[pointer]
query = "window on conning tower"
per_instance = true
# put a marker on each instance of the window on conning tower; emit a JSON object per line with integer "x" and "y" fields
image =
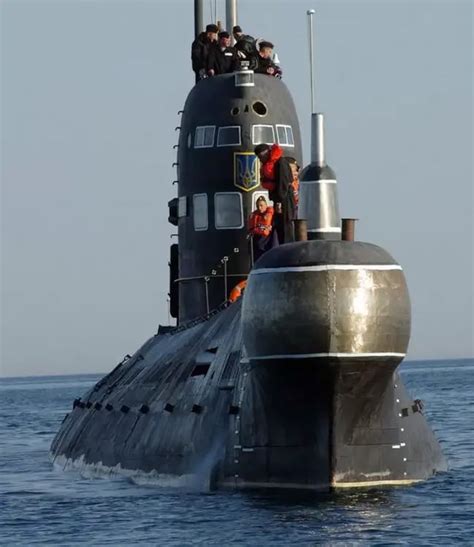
{"x": 204, "y": 136}
{"x": 228, "y": 211}
{"x": 200, "y": 212}
{"x": 285, "y": 135}
{"x": 229, "y": 136}
{"x": 263, "y": 134}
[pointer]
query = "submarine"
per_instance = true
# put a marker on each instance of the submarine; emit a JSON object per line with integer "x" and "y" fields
{"x": 295, "y": 384}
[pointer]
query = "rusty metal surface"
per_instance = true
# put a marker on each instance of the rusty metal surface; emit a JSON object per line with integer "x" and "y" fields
{"x": 301, "y": 229}
{"x": 348, "y": 229}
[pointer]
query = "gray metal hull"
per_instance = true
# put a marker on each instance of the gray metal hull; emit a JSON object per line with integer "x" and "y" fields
{"x": 188, "y": 405}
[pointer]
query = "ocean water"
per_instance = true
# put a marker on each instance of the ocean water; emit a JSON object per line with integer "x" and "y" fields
{"x": 40, "y": 505}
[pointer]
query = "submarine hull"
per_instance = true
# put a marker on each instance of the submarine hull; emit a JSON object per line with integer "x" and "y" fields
{"x": 207, "y": 405}
{"x": 244, "y": 424}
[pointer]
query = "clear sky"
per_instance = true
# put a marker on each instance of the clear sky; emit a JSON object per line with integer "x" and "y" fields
{"x": 90, "y": 92}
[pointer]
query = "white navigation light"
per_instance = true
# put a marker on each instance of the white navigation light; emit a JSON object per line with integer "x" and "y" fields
{"x": 244, "y": 78}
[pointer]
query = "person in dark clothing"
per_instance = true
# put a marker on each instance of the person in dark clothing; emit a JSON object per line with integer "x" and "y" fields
{"x": 222, "y": 57}
{"x": 200, "y": 50}
{"x": 244, "y": 44}
{"x": 284, "y": 195}
{"x": 281, "y": 194}
{"x": 264, "y": 63}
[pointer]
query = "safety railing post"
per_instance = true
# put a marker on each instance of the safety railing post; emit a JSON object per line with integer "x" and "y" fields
{"x": 251, "y": 252}
{"x": 224, "y": 261}
{"x": 206, "y": 285}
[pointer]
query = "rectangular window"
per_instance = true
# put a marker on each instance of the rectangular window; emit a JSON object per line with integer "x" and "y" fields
{"x": 200, "y": 212}
{"x": 229, "y": 136}
{"x": 204, "y": 136}
{"x": 228, "y": 211}
{"x": 263, "y": 134}
{"x": 285, "y": 135}
{"x": 182, "y": 207}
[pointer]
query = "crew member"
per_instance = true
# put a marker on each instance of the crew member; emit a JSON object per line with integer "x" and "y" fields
{"x": 268, "y": 157}
{"x": 222, "y": 57}
{"x": 244, "y": 44}
{"x": 277, "y": 177}
{"x": 295, "y": 183}
{"x": 274, "y": 55}
{"x": 265, "y": 64}
{"x": 261, "y": 228}
{"x": 200, "y": 50}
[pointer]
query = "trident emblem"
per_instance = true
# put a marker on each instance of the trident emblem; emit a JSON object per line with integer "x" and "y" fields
{"x": 246, "y": 172}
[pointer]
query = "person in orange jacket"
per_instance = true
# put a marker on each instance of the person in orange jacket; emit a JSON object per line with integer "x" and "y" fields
{"x": 261, "y": 228}
{"x": 260, "y": 222}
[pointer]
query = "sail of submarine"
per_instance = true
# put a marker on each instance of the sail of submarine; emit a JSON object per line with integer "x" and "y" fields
{"x": 295, "y": 385}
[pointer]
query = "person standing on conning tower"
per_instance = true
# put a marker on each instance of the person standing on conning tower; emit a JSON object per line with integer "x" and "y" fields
{"x": 200, "y": 50}
{"x": 277, "y": 177}
{"x": 244, "y": 44}
{"x": 222, "y": 57}
{"x": 265, "y": 64}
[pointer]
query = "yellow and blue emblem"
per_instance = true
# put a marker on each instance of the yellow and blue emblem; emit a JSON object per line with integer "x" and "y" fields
{"x": 246, "y": 171}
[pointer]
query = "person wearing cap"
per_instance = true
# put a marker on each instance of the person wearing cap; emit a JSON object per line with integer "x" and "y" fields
{"x": 200, "y": 50}
{"x": 222, "y": 57}
{"x": 244, "y": 44}
{"x": 265, "y": 64}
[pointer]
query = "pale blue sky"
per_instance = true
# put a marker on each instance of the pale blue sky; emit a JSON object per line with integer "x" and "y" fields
{"x": 90, "y": 92}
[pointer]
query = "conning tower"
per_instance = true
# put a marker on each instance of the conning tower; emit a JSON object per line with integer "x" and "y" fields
{"x": 223, "y": 119}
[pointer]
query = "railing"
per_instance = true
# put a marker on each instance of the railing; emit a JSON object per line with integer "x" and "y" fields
{"x": 220, "y": 270}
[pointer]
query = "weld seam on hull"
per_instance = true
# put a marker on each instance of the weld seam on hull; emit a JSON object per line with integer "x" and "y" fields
{"x": 328, "y": 267}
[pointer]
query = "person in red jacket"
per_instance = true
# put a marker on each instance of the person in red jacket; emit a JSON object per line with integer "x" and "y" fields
{"x": 268, "y": 157}
{"x": 277, "y": 177}
{"x": 261, "y": 228}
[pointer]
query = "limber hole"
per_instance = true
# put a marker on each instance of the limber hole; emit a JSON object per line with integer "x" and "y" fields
{"x": 200, "y": 370}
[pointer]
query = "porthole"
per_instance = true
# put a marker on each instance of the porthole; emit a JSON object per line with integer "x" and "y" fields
{"x": 260, "y": 108}
{"x": 235, "y": 111}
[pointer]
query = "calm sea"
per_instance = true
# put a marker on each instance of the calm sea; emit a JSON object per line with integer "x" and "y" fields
{"x": 42, "y": 506}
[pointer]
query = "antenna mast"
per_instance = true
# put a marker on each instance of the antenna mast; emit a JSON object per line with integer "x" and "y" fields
{"x": 198, "y": 17}
{"x": 230, "y": 15}
{"x": 317, "y": 119}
